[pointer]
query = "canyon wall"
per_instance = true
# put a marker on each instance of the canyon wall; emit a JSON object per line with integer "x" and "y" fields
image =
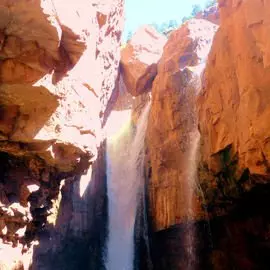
{"x": 58, "y": 65}
{"x": 172, "y": 128}
{"x": 172, "y": 75}
{"x": 228, "y": 218}
{"x": 233, "y": 106}
{"x": 227, "y": 209}
{"x": 233, "y": 115}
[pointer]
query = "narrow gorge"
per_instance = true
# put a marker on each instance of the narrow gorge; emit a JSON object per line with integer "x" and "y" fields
{"x": 146, "y": 152}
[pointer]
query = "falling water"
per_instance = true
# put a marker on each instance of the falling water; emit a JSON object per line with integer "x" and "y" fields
{"x": 125, "y": 161}
{"x": 192, "y": 183}
{"x": 193, "y": 188}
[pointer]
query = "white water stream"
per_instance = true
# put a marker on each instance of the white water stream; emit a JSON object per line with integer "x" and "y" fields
{"x": 125, "y": 181}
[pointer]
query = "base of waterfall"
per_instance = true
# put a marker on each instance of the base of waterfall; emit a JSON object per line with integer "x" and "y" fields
{"x": 125, "y": 182}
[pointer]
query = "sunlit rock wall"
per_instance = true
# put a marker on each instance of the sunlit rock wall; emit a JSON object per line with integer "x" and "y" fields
{"x": 58, "y": 64}
{"x": 233, "y": 106}
{"x": 172, "y": 125}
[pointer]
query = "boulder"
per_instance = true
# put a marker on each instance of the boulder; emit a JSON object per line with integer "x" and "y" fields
{"x": 139, "y": 59}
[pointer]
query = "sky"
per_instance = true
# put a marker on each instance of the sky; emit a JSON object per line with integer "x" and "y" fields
{"x": 140, "y": 12}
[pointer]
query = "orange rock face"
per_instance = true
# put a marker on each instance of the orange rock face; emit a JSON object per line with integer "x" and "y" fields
{"x": 58, "y": 64}
{"x": 57, "y": 71}
{"x": 234, "y": 105}
{"x": 139, "y": 59}
{"x": 172, "y": 136}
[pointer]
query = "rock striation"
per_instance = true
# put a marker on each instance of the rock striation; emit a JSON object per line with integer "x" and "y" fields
{"x": 233, "y": 105}
{"x": 233, "y": 168}
{"x": 172, "y": 123}
{"x": 208, "y": 193}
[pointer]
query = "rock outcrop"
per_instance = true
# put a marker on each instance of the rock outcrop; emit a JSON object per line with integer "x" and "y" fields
{"x": 233, "y": 106}
{"x": 233, "y": 172}
{"x": 48, "y": 90}
{"x": 172, "y": 132}
{"x": 208, "y": 193}
{"x": 139, "y": 59}
{"x": 58, "y": 66}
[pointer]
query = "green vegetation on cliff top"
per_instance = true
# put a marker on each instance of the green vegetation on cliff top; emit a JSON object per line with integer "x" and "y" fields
{"x": 163, "y": 15}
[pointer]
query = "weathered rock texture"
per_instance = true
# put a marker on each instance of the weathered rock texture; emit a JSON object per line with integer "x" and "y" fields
{"x": 239, "y": 240}
{"x": 139, "y": 59}
{"x": 138, "y": 69}
{"x": 234, "y": 168}
{"x": 75, "y": 238}
{"x": 172, "y": 132}
{"x": 233, "y": 106}
{"x": 58, "y": 65}
{"x": 233, "y": 171}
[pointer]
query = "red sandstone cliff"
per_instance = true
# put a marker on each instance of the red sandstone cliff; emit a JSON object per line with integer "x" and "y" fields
{"x": 172, "y": 74}
{"x": 58, "y": 65}
{"x": 172, "y": 123}
{"x": 233, "y": 107}
{"x": 234, "y": 111}
{"x": 231, "y": 111}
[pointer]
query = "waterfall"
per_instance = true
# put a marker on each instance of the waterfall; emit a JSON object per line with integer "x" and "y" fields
{"x": 125, "y": 180}
{"x": 192, "y": 186}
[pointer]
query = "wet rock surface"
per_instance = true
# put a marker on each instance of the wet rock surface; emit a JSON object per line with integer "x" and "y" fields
{"x": 233, "y": 171}
{"x": 172, "y": 130}
{"x": 239, "y": 240}
{"x": 229, "y": 222}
